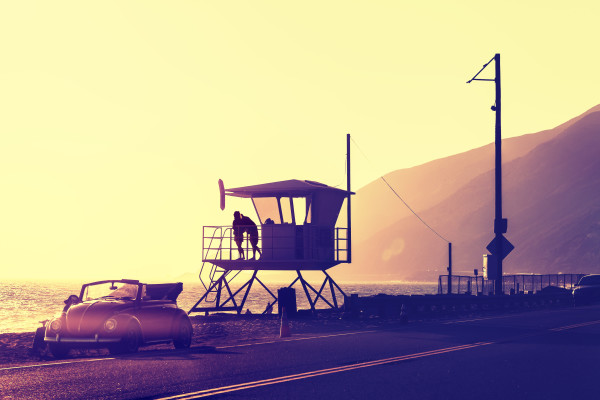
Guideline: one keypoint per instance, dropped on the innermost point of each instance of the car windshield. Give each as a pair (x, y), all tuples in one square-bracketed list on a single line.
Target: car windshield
[(589, 280), (110, 290)]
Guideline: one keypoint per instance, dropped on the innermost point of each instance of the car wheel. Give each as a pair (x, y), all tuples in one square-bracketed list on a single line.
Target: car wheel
[(58, 350), (130, 342), (183, 334)]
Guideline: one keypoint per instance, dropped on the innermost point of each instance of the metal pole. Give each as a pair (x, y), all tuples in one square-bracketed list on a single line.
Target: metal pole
[(349, 242), (449, 268), (499, 227)]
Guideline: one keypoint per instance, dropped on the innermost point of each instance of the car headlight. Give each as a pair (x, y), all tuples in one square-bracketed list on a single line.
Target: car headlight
[(110, 325), (55, 325)]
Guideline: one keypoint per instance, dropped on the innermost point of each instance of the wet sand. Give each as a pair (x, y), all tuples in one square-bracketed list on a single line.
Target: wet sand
[(215, 331)]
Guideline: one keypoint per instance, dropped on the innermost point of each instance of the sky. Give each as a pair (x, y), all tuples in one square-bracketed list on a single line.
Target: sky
[(117, 118)]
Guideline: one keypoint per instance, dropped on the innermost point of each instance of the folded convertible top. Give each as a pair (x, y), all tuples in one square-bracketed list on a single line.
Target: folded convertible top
[(164, 291)]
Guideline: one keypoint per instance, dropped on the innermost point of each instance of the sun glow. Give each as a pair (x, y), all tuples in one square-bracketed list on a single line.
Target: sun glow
[(118, 118)]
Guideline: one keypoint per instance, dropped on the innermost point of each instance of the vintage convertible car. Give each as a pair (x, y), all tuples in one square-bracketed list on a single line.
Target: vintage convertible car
[(120, 315)]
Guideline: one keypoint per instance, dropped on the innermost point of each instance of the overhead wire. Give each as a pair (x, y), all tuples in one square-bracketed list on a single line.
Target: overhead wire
[(345, 173), (398, 195)]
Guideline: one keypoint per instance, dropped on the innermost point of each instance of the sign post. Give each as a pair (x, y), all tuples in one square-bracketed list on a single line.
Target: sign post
[(449, 268)]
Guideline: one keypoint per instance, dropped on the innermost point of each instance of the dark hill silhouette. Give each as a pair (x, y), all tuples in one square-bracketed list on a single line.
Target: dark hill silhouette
[(551, 186)]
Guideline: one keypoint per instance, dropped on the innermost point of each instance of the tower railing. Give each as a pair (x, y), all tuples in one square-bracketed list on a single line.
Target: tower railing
[(218, 243)]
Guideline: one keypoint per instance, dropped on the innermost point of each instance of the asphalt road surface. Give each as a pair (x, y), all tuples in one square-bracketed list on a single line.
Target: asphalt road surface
[(547, 354)]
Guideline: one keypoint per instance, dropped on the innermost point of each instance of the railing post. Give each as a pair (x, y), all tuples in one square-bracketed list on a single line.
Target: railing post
[(337, 244)]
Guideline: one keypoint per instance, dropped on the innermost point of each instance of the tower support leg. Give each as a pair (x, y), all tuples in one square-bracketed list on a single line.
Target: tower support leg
[(318, 294), (221, 287), (225, 297)]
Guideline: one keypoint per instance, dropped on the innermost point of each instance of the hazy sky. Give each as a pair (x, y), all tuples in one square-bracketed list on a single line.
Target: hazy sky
[(117, 118)]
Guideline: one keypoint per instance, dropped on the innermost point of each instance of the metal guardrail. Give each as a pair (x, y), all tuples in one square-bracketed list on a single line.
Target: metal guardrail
[(519, 283)]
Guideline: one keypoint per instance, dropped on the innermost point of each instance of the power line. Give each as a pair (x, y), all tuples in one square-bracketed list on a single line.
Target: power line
[(412, 211), (345, 173), (400, 197)]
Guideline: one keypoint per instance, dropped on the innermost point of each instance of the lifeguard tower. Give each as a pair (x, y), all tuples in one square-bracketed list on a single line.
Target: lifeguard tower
[(297, 232)]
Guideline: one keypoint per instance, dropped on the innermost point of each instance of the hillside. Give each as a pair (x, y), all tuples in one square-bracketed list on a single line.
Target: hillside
[(426, 185), (551, 186)]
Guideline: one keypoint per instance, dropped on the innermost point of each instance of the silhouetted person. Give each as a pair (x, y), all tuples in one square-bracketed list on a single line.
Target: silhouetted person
[(269, 309), (242, 224)]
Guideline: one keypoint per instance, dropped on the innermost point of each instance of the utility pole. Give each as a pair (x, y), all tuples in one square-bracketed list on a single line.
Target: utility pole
[(349, 242), (499, 246), (500, 224)]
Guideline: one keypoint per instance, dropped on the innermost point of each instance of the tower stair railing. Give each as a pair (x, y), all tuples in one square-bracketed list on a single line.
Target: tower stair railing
[(219, 279), (215, 273)]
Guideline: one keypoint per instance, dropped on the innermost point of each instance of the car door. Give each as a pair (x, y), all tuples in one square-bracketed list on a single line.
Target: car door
[(156, 317)]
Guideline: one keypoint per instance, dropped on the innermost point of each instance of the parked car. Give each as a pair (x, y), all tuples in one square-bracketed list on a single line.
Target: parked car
[(121, 315), (587, 290)]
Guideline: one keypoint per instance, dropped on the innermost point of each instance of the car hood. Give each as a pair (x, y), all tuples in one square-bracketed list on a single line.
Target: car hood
[(587, 288), (87, 318)]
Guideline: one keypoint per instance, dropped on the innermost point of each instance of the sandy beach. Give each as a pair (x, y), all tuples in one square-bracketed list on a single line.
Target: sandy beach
[(215, 331)]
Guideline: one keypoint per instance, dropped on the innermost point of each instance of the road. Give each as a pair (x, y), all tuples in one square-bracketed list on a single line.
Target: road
[(547, 354)]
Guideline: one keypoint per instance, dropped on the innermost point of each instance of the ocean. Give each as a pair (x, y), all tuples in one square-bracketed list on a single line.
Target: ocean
[(23, 304)]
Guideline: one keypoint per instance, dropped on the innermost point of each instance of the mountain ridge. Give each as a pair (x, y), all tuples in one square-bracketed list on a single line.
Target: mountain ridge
[(562, 167), (409, 181)]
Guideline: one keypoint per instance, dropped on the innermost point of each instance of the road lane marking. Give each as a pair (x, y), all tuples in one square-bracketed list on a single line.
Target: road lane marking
[(327, 371), (221, 347), (56, 363), (475, 319), (564, 328), (502, 316), (17, 367), (294, 339)]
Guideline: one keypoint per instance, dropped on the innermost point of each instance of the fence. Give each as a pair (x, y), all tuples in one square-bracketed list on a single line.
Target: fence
[(520, 283)]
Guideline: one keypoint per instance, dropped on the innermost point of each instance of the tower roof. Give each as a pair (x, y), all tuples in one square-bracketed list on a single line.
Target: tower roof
[(292, 187)]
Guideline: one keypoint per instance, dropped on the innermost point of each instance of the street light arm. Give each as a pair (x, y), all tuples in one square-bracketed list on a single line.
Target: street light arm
[(482, 68)]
